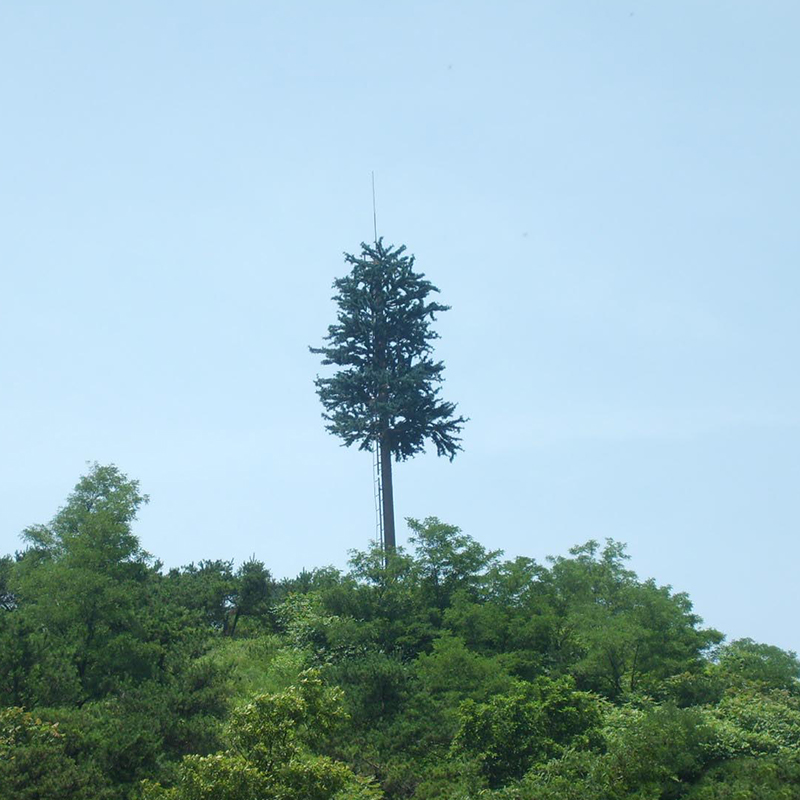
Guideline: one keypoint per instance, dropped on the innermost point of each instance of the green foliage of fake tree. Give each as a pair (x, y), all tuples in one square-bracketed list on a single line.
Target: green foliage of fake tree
[(387, 385)]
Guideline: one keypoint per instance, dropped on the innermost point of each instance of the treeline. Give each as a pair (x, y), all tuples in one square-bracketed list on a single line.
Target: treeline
[(441, 672)]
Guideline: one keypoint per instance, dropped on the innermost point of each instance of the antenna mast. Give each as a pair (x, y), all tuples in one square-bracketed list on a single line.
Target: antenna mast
[(374, 211), (377, 472)]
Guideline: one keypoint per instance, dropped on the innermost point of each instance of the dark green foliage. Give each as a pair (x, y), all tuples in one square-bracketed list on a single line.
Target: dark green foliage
[(388, 384), (35, 764), (654, 753), (208, 588), (528, 725), (222, 595), (766, 666), (383, 593), (375, 685), (774, 778), (7, 600), (254, 593)]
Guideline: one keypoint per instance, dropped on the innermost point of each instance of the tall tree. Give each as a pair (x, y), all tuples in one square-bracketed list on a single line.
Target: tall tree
[(387, 390), (77, 628)]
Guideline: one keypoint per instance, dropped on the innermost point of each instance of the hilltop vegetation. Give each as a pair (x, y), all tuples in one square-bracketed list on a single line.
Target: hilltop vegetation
[(440, 672)]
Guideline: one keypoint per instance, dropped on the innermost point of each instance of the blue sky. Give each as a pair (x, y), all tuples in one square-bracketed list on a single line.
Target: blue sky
[(606, 194)]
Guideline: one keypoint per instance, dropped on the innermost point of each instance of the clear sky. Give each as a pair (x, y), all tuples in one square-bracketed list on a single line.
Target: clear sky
[(605, 192)]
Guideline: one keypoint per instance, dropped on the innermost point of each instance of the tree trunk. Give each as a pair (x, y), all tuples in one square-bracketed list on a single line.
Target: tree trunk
[(388, 497)]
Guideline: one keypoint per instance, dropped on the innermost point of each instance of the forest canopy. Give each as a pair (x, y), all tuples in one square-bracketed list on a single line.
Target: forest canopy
[(442, 670)]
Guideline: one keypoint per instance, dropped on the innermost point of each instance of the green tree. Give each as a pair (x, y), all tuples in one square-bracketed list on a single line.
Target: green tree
[(271, 753), (96, 640), (387, 390), (744, 662), (76, 628), (623, 635), (384, 596), (511, 613), (93, 528), (447, 560), (254, 590)]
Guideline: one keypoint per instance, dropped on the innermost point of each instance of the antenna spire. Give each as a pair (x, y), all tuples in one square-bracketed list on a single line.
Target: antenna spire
[(374, 211)]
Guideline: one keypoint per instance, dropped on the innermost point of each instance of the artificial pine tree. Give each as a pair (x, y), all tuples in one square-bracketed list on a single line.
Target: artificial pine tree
[(386, 392)]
